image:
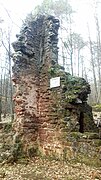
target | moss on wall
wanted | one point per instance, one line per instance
(70, 100)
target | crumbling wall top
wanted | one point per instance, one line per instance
(38, 38)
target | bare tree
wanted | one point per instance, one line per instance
(98, 59)
(93, 65)
(7, 46)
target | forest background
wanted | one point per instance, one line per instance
(79, 42)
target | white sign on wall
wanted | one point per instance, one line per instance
(55, 82)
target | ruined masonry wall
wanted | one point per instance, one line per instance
(26, 79)
(44, 118)
(35, 52)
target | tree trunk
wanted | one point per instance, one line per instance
(11, 88)
(93, 68)
(1, 100)
(98, 59)
(78, 62)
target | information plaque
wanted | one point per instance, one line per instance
(55, 82)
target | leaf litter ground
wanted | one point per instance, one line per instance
(44, 169)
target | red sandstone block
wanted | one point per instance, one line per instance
(42, 131)
(43, 139)
(50, 139)
(50, 134)
(20, 109)
(44, 125)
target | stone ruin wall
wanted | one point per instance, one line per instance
(40, 110)
(35, 51)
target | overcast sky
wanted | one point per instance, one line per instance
(14, 11)
(18, 9)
